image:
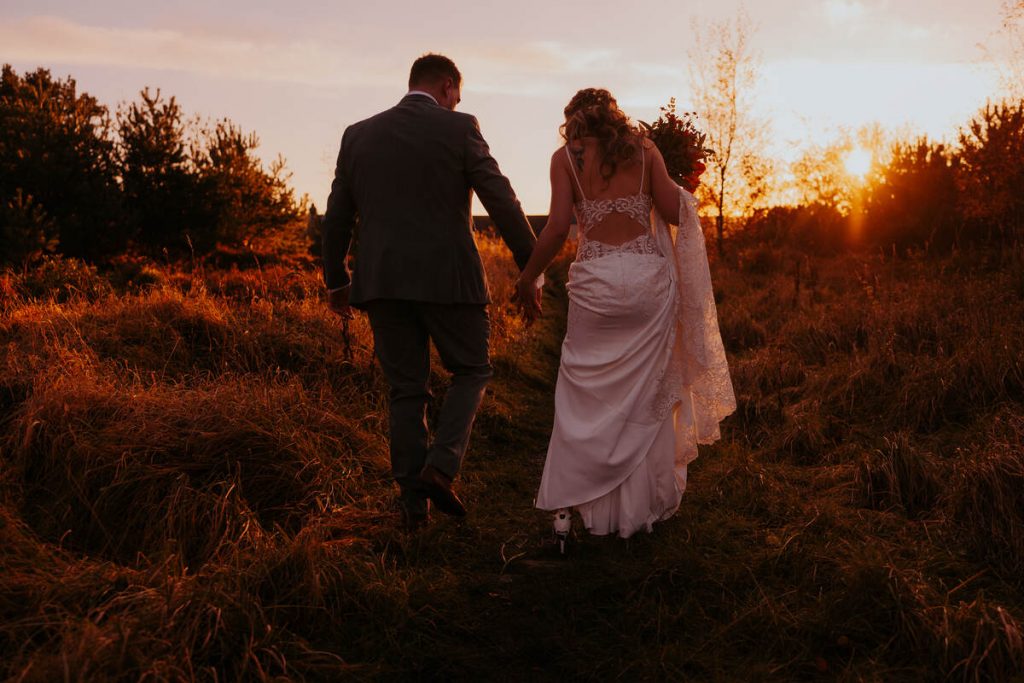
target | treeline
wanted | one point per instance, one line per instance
(922, 195)
(80, 180)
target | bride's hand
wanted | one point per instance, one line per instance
(528, 296)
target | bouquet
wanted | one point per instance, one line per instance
(681, 143)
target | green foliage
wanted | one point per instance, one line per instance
(915, 198)
(61, 279)
(194, 188)
(26, 232)
(939, 196)
(157, 178)
(55, 147)
(69, 176)
(239, 199)
(817, 228)
(820, 176)
(927, 195)
(992, 171)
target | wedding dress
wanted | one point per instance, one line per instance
(643, 376)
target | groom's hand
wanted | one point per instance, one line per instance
(337, 301)
(528, 295)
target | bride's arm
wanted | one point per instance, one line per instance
(663, 188)
(552, 237)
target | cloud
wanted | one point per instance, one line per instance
(842, 12)
(46, 40)
(540, 68)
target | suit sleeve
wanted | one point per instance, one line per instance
(497, 196)
(339, 222)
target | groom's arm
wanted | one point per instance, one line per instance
(339, 221)
(497, 196)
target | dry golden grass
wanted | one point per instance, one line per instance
(195, 486)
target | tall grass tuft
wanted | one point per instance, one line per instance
(194, 484)
(899, 476)
(986, 496)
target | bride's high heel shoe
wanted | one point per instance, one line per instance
(563, 525)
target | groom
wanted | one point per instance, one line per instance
(408, 174)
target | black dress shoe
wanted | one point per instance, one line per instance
(438, 488)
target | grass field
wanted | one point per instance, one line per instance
(195, 486)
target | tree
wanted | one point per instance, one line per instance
(914, 199)
(819, 176)
(723, 70)
(757, 175)
(26, 232)
(240, 200)
(992, 171)
(55, 147)
(1012, 34)
(157, 178)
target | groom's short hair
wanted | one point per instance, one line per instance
(430, 69)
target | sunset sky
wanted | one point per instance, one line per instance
(297, 73)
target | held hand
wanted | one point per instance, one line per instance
(528, 296)
(337, 301)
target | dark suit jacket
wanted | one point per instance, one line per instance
(408, 173)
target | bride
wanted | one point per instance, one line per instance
(643, 376)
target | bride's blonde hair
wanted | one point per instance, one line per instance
(594, 112)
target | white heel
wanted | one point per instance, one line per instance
(563, 525)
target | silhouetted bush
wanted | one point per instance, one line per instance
(26, 232)
(237, 198)
(157, 177)
(932, 196)
(814, 228)
(62, 278)
(991, 177)
(70, 179)
(55, 147)
(915, 198)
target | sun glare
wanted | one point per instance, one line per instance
(858, 162)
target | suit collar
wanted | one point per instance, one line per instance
(420, 96)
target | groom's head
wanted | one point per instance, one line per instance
(437, 75)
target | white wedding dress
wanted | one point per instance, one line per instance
(643, 376)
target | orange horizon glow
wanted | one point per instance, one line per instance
(297, 79)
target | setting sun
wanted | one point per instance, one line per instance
(858, 162)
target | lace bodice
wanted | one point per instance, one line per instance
(591, 249)
(591, 212)
(636, 206)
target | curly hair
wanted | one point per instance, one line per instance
(594, 112)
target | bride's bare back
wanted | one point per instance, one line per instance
(613, 210)
(616, 209)
(614, 227)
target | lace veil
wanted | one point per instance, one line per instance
(697, 377)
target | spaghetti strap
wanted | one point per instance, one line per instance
(643, 167)
(573, 169)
